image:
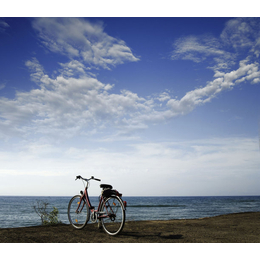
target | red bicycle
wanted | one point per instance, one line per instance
(110, 213)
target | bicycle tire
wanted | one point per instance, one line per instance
(78, 219)
(114, 223)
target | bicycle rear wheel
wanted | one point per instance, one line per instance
(115, 211)
(78, 217)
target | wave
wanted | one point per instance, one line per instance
(156, 206)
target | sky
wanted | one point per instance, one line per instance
(154, 106)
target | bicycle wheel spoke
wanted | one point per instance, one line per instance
(78, 212)
(115, 212)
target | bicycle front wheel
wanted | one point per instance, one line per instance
(114, 215)
(78, 212)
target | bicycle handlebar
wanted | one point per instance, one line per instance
(92, 178)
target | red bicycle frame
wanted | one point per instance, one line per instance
(107, 192)
(85, 198)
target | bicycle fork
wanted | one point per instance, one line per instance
(79, 203)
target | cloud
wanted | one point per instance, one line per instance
(196, 48)
(239, 34)
(3, 26)
(79, 39)
(224, 81)
(74, 102)
(196, 167)
(2, 86)
(203, 48)
(242, 35)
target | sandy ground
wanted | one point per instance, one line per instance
(232, 228)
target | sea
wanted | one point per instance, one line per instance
(17, 211)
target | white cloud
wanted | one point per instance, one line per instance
(67, 104)
(70, 105)
(2, 86)
(36, 69)
(3, 26)
(224, 81)
(75, 102)
(239, 34)
(164, 96)
(196, 48)
(198, 167)
(79, 39)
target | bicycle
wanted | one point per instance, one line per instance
(110, 213)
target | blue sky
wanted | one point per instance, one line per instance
(153, 106)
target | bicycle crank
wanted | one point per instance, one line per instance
(112, 217)
(93, 217)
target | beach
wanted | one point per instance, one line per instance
(230, 228)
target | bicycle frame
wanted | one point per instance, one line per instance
(85, 198)
(110, 212)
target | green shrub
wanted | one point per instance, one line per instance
(47, 218)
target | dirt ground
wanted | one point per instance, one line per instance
(232, 228)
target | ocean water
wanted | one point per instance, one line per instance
(18, 211)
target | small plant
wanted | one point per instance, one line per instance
(46, 218)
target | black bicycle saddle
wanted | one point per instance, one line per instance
(106, 186)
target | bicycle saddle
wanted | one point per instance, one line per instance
(106, 186)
